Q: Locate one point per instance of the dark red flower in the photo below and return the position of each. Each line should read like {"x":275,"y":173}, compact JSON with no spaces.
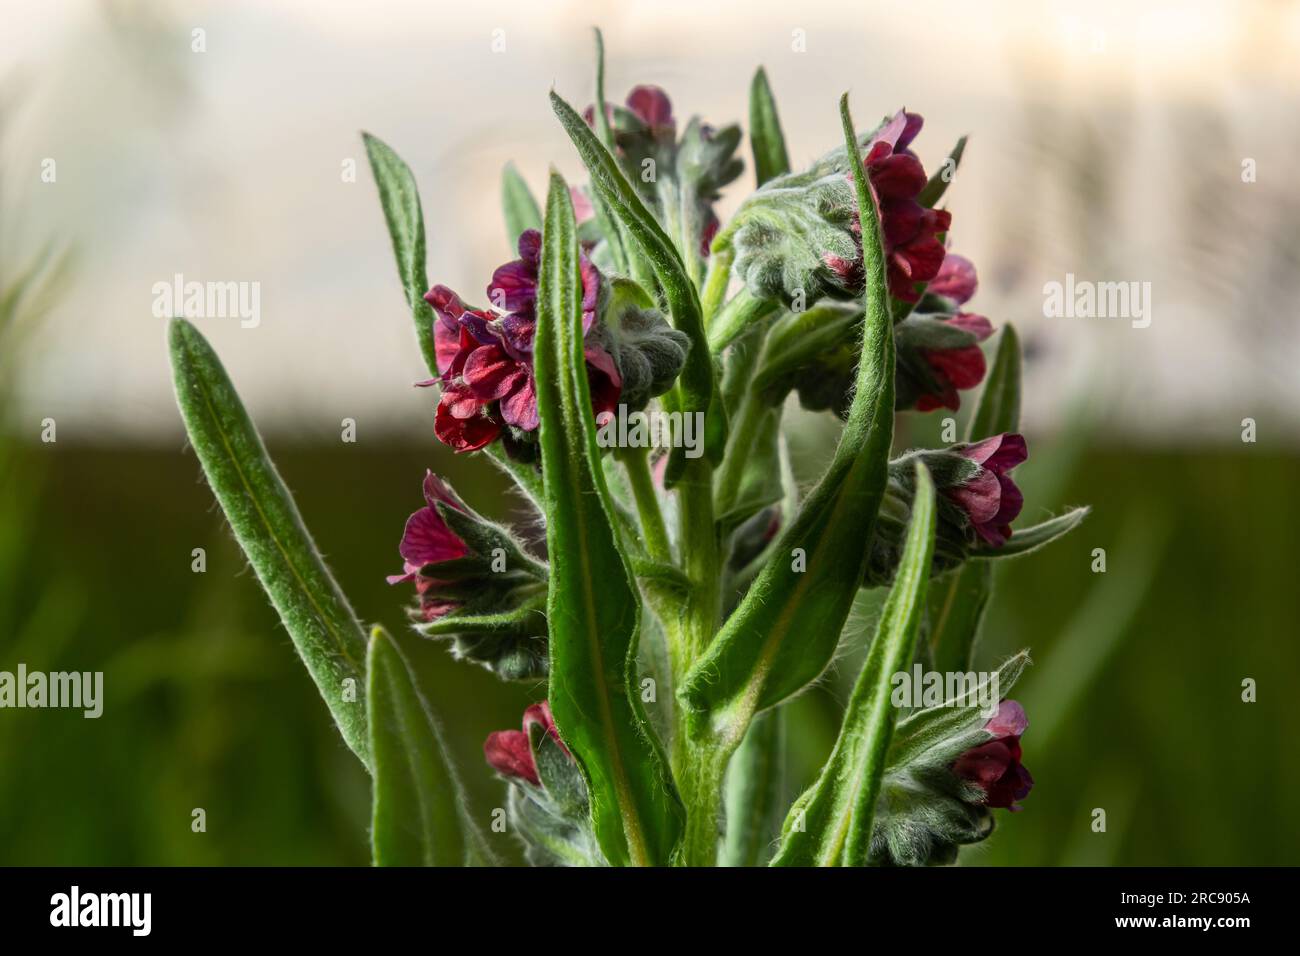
{"x":510,"y":752}
{"x":959,"y":368}
{"x":956,"y":279}
{"x":991,"y":499}
{"x":485,"y":357}
{"x":650,"y":106}
{"x":910,"y":231}
{"x":513,"y":291}
{"x":427,"y":540}
{"x":995,"y":766}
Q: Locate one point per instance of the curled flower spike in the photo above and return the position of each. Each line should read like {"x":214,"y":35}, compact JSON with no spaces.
{"x":510,"y":752}
{"x":995,"y":767}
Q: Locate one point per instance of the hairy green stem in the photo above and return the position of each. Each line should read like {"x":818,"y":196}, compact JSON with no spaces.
{"x":742,"y":310}
{"x":744,"y":430}
{"x":637,"y":464}
{"x":716,"y":281}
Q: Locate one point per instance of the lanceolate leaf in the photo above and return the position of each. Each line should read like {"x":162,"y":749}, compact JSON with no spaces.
{"x":942,"y":177}
{"x":420,"y":815}
{"x":958,"y":599}
{"x":518,"y":205}
{"x":770,"y":158}
{"x":755,"y":794}
{"x":830,"y":825}
{"x":593,"y":608}
{"x":1034,"y":537}
{"x":695,"y":388}
{"x":784,"y":632}
{"x":999,"y":407}
{"x":401,"y":201}
{"x":268,"y":527}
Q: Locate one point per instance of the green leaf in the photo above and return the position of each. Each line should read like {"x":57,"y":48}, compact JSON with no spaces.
{"x":939,"y":182}
{"x":401,"y":203}
{"x":957,"y":604}
{"x":694,"y":391}
{"x":797,"y":340}
{"x":420,"y":816}
{"x":518,"y":205}
{"x":1025,"y":540}
{"x":785,"y":631}
{"x":830,"y":825}
{"x":755,"y":791}
{"x":268,"y":527}
{"x":959,"y":598}
{"x":999,"y":407}
{"x":593,"y":608}
{"x":765,"y":138}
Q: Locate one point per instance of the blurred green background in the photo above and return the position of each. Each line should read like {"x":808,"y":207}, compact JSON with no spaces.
{"x":207,"y":706}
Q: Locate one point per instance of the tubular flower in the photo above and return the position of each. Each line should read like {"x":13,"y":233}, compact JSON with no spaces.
{"x":978,"y":502}
{"x":428,"y":542}
{"x":485,"y":355}
{"x":995,"y":767}
{"x":510,"y":752}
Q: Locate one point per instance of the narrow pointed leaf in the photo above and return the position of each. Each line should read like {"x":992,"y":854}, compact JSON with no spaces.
{"x":999,"y":407}
{"x":942,"y":177}
{"x":830,"y":825}
{"x":1025,"y":540}
{"x":755,"y":792}
{"x":941,"y":734}
{"x":400,"y":200}
{"x":785,"y":631}
{"x":419,"y":807}
{"x":518,"y":205}
{"x":694,"y":391}
{"x":765,"y":137}
{"x":268,"y":527}
{"x":593,"y":608}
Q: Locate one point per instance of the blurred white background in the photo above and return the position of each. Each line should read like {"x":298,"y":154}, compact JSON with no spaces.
{"x":1107,"y":140}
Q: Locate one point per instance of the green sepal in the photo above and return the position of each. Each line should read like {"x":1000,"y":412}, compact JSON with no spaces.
{"x":511,"y":643}
{"x":1025,"y":540}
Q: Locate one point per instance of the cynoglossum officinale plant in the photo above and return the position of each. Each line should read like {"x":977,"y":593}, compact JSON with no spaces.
{"x":629,"y":370}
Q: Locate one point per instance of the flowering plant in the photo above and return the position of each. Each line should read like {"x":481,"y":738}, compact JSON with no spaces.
{"x":629,"y":371}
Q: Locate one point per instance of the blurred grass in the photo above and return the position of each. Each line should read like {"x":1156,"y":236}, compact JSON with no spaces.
{"x":207,"y":706}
